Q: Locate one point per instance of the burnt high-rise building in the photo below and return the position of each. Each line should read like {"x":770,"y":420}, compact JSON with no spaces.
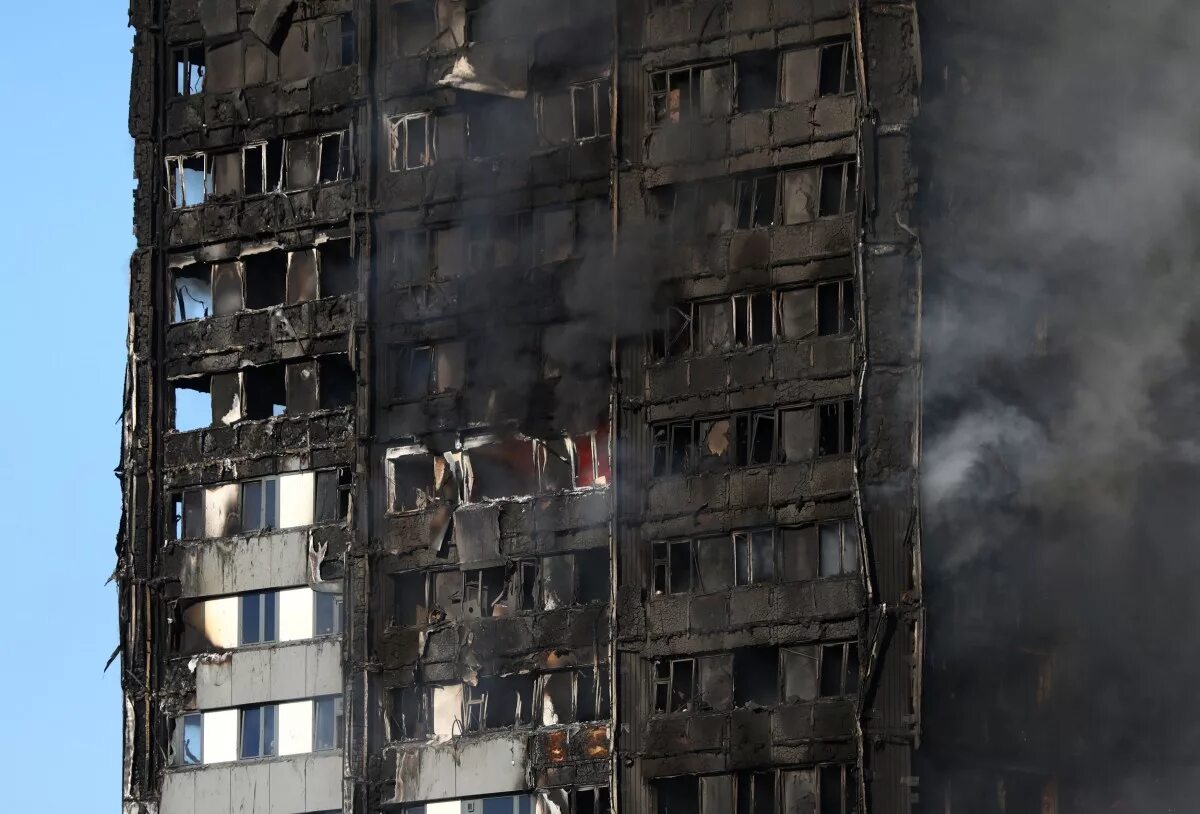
{"x":524,"y":413}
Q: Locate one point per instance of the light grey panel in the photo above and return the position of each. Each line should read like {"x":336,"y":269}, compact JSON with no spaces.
{"x":179,"y":792}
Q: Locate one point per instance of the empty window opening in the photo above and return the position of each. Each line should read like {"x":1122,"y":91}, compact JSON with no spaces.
{"x":673,"y":444}
{"x":188,"y":515}
{"x":334,"y":160}
{"x":411,"y":141}
{"x":838,"y":790}
{"x":413,"y":373}
{"x":673,"y":680}
{"x":797,"y":313}
{"x":265,"y":389}
{"x":756,"y":676}
{"x":591,"y":566}
{"x":799,"y":666}
{"x":262,"y":167}
{"x":260,"y":505}
{"x":192,"y":288}
{"x":835,"y":428}
{"x":677,"y":795}
{"x":327,"y":723}
{"x":754,"y":556}
{"x":557,"y":122}
{"x":673,"y":567}
{"x":479,"y":17}
{"x":753,"y":322}
{"x":525,"y":586}
{"x":190,"y":179}
{"x":335,"y":378}
{"x":259,"y":618}
{"x":757,"y":80}
{"x":412,"y":479}
{"x":590,"y":110}
{"x":410,"y":707}
{"x":692,"y":92}
{"x":266,"y":278}
{"x":503,"y":469}
{"x":839,"y":548}
{"x":189,"y":70}
{"x":410,"y":605}
{"x":554,"y":234}
{"x":754,"y":438}
{"x":713,"y":326}
{"x":190,"y":731}
{"x":302,"y":283}
{"x":193,"y":404}
{"x":347,"y":39}
{"x":675,"y":337}
{"x":483,"y":590}
{"x":838,"y":189}
{"x":499,"y":702}
{"x":327,"y":614}
{"x":839,"y":669}
{"x":755,"y":200}
{"x":258,"y":734}
{"x":339,"y":274}
{"x":837,"y":68}
{"x":302,"y":162}
{"x":756,"y":793}
{"x":835,"y":308}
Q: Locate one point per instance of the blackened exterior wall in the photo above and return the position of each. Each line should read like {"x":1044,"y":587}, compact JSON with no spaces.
{"x":612,"y":312}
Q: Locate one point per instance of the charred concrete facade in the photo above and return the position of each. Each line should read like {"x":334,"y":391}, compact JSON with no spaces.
{"x":558,"y":382}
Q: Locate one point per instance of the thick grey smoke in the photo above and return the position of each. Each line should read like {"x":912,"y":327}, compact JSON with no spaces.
{"x":1060,"y":152}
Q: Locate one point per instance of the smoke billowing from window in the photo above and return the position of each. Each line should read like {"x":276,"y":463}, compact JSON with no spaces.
{"x":1060,"y":175}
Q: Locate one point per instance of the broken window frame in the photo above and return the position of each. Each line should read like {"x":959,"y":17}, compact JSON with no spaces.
{"x":666,"y":460}
{"x":525,"y":586}
{"x":421,"y":726}
{"x":848,"y":680}
{"x":660,"y":114}
{"x":746,"y":188}
{"x":179,"y":502}
{"x":432,"y":496}
{"x":477,"y":698}
{"x":847,"y":188}
{"x":345,"y":163}
{"x":664,"y":581}
{"x":844,"y":416}
{"x":746,"y":565}
{"x":846,"y":319}
{"x":675,"y":338}
{"x":665,"y":686}
{"x":398,"y":140}
{"x":749,"y":784}
{"x":183,"y":58}
{"x":599,"y":702}
{"x":846,"y":799}
{"x":594,"y":89}
{"x":177,"y":179}
{"x":263,"y":147}
{"x":845,"y":82}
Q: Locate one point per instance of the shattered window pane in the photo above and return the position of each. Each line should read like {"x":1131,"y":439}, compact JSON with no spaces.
{"x":714,"y":328}
{"x":837,"y":68}
{"x":800,"y":195}
{"x":193,"y":292}
{"x":797,"y":313}
{"x":838,"y":189}
{"x":839,"y":669}
{"x":835,"y":428}
{"x":835,"y":308}
{"x":189,"y":70}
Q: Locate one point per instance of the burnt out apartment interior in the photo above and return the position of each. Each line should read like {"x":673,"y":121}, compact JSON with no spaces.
{"x":523,"y":414}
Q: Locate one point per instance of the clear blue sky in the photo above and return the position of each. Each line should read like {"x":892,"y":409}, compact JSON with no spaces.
{"x":65,"y":216}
